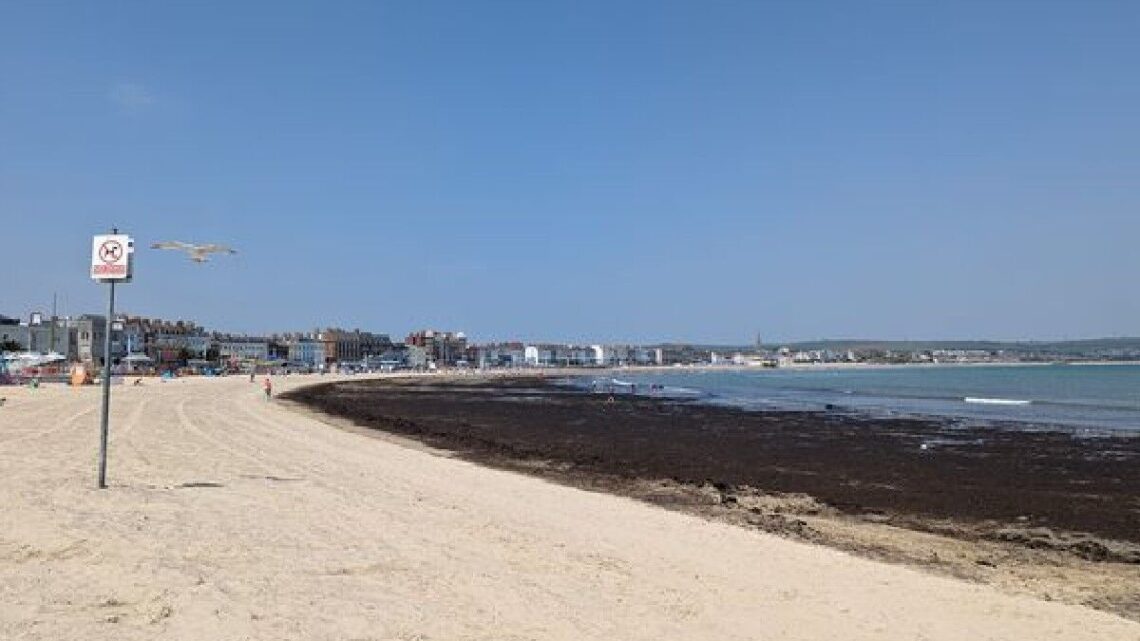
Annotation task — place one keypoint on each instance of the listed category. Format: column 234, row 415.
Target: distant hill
column 1072, row 347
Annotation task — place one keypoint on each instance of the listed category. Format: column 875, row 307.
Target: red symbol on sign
column 110, row 251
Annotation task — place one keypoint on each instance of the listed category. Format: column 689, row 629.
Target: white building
column 599, row 355
column 308, row 351
column 255, row 349
column 531, row 355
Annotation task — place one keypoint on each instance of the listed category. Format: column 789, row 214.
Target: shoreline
column 909, row 514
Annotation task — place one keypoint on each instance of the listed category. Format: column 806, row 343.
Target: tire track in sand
column 185, row 421
column 33, row 435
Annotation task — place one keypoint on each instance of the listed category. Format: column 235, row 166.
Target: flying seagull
column 198, row 253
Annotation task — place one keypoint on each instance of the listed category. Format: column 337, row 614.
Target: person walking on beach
column 252, row 375
column 268, row 388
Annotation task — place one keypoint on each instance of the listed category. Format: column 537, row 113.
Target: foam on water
column 996, row 401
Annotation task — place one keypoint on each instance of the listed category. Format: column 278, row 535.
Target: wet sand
column 1025, row 500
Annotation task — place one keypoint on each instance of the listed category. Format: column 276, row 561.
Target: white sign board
column 111, row 257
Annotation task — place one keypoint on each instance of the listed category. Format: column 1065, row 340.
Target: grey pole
column 103, row 421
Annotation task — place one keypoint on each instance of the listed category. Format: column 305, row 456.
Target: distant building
column 166, row 342
column 541, row 355
column 681, row 355
column 444, row 348
column 530, row 355
column 196, row 346
column 643, row 356
column 502, row 355
column 39, row 335
column 622, row 355
column 277, row 349
column 90, row 333
column 415, row 357
column 598, row 355
column 573, row 356
column 242, row 348
column 395, row 357
column 306, row 350
column 342, row 345
column 12, row 332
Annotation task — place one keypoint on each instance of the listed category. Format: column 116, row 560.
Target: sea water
column 1093, row 397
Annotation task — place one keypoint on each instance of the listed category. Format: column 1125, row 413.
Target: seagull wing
column 215, row 249
column 171, row 244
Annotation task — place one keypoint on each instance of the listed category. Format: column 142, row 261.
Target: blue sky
column 610, row 171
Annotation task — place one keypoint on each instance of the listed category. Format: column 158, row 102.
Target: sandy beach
column 230, row 517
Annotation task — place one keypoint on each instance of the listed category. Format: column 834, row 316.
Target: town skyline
column 271, row 329
column 1126, row 348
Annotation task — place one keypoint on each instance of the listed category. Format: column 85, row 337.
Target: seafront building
column 242, row 348
column 415, row 357
column 501, row 355
column 340, row 345
column 12, row 332
column 567, row 355
column 308, row 351
column 91, row 331
column 166, row 342
column 442, row 348
column 37, row 335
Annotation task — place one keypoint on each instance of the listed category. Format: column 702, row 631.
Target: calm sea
column 1095, row 397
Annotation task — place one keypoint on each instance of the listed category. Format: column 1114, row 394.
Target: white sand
column 318, row 533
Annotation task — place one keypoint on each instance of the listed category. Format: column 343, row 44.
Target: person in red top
column 268, row 388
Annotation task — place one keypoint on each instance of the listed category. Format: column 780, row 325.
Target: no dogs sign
column 111, row 257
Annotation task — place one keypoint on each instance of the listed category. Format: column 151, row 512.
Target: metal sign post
column 110, row 263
